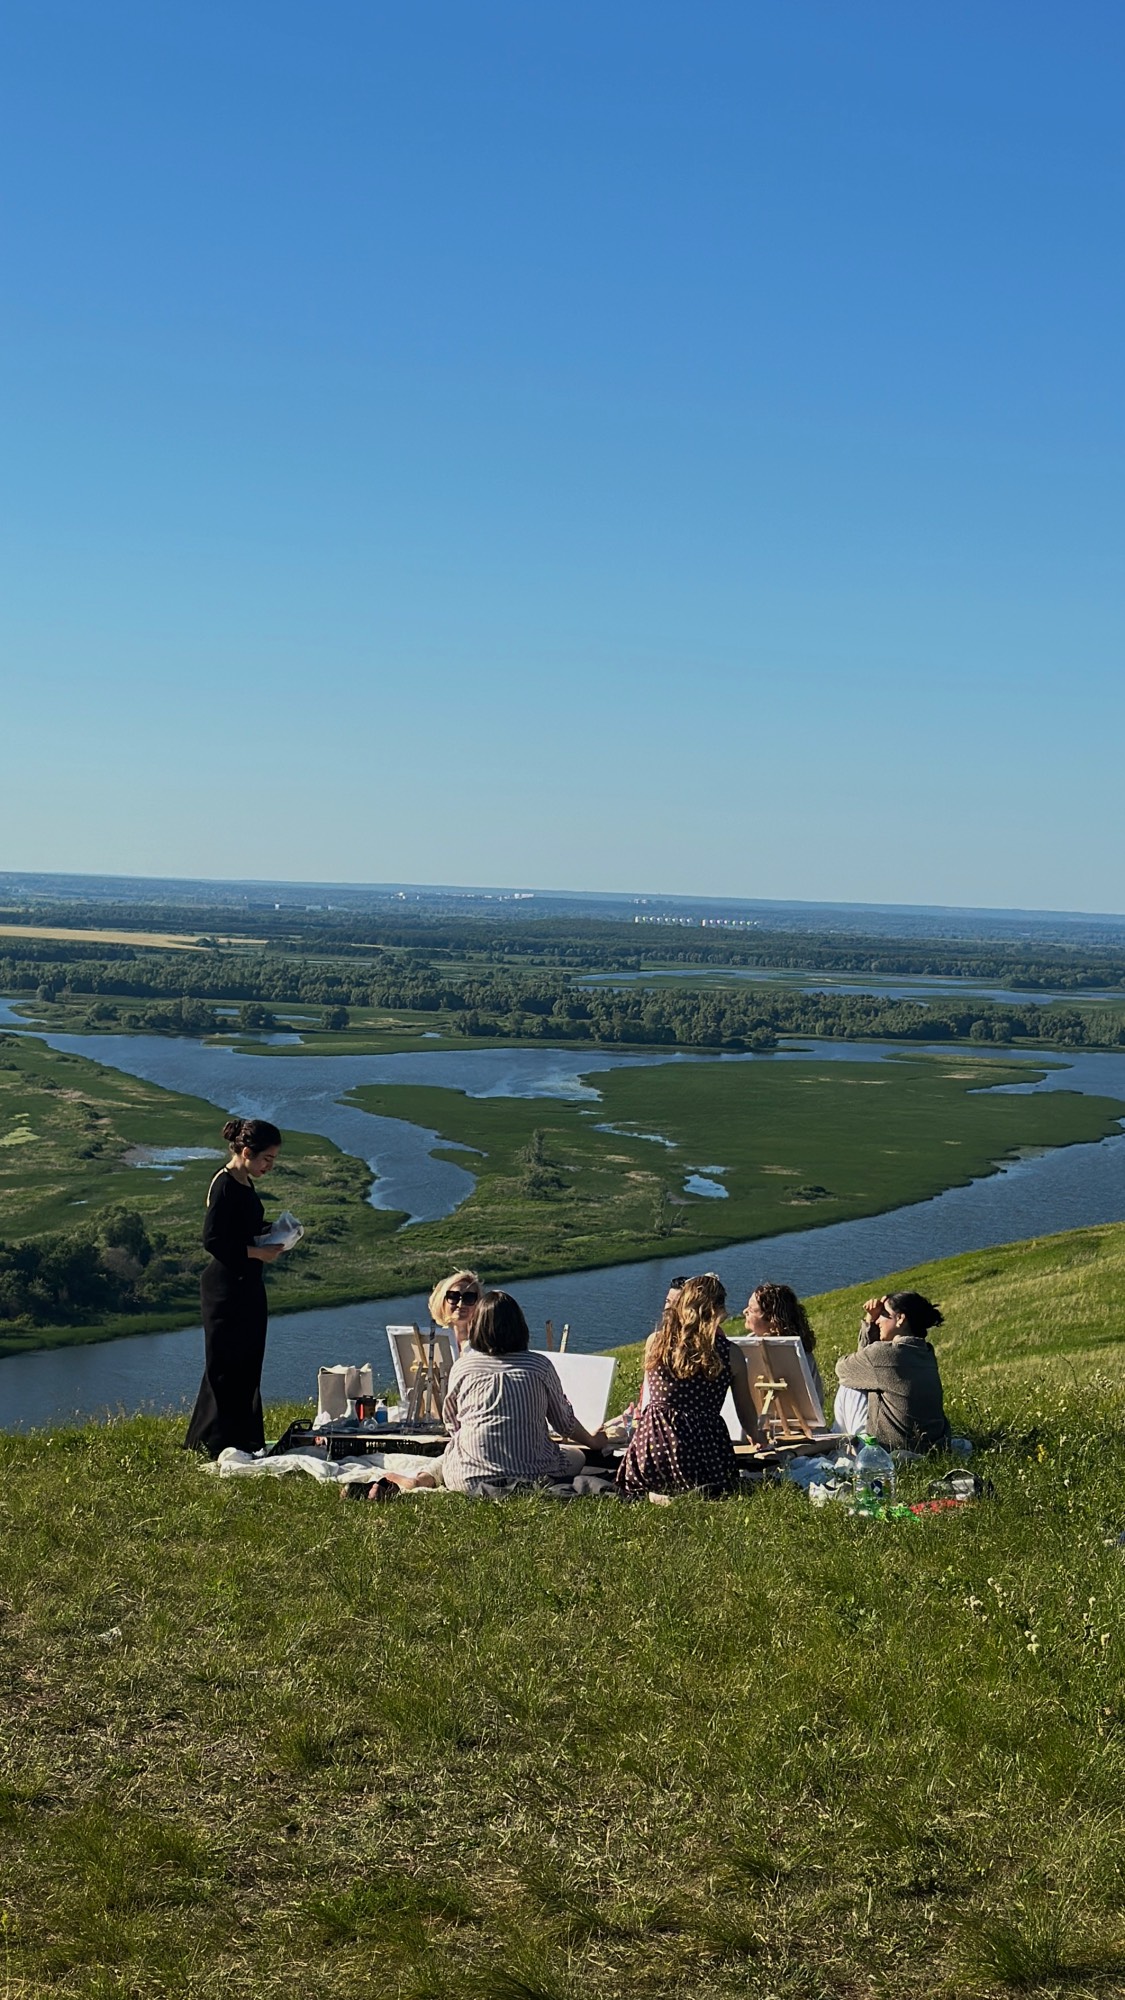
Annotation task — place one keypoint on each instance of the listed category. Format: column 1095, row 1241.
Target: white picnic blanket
column 233, row 1464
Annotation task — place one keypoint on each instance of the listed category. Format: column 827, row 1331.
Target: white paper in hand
column 282, row 1233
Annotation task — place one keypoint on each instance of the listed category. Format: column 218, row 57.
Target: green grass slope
column 259, row 1743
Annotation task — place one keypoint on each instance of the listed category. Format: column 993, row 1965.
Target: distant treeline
column 513, row 1002
column 603, row 945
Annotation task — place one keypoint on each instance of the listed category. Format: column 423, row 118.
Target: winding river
column 1061, row 1189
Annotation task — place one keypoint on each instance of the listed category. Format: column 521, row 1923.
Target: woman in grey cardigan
column 890, row 1388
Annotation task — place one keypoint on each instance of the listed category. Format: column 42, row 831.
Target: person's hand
column 873, row 1308
column 598, row 1440
column 270, row 1252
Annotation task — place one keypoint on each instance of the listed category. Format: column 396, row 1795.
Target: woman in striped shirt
column 502, row 1397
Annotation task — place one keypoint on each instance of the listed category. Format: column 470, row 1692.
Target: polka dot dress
column 681, row 1444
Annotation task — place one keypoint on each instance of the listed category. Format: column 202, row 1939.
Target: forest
column 175, row 991
column 599, row 944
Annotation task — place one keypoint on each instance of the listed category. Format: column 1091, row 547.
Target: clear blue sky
column 582, row 443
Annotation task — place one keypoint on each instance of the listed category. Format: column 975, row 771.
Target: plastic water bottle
column 874, row 1478
column 381, row 1412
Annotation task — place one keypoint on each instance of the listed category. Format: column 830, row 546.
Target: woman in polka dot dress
column 681, row 1443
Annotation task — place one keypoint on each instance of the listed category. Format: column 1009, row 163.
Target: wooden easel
column 427, row 1391
column 551, row 1336
column 788, row 1423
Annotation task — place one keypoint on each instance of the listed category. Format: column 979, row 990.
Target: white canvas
column 586, row 1380
column 400, row 1340
column 756, row 1348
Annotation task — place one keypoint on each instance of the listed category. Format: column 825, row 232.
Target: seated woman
column 501, row 1398
column 453, row 1302
column 776, row 1309
column 681, row 1443
column 890, row 1387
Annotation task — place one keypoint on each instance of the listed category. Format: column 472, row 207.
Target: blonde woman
column 681, row 1443
column 453, row 1302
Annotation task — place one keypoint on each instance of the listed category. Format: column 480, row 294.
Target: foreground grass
column 256, row 1742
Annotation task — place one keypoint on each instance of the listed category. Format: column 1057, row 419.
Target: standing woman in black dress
column 228, row 1408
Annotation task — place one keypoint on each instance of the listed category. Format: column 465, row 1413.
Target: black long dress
column 228, row 1408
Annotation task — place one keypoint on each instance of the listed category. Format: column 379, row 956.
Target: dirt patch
column 161, row 940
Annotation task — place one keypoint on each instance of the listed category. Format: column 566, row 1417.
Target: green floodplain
column 801, row 1143
column 257, row 1743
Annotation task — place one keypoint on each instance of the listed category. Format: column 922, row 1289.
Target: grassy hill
column 256, row 1742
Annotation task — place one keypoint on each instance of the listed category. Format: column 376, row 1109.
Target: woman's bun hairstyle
column 257, row 1133
column 920, row 1314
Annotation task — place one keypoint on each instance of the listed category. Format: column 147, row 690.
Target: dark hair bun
column 257, row 1133
column 921, row 1314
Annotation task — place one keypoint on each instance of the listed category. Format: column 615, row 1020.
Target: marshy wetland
column 573, row 1104
column 529, row 1160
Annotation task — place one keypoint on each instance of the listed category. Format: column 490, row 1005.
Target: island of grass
column 559, row 1185
column 566, row 1185
column 255, row 1742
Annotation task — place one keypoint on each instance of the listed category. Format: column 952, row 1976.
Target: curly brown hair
column 784, row 1314
column 684, row 1342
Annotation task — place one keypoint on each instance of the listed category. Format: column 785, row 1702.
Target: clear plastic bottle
column 874, row 1477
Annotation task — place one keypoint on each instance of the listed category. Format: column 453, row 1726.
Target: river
column 914, row 986
column 1061, row 1189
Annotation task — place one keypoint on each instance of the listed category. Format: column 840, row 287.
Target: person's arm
column 590, row 1440
column 225, row 1229
column 561, row 1417
column 743, row 1401
column 869, row 1325
column 863, row 1370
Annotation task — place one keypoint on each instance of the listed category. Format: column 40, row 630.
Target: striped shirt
column 497, row 1409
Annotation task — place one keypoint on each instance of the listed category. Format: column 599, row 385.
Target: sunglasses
column 461, row 1298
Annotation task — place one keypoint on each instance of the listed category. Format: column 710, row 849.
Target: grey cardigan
column 905, row 1410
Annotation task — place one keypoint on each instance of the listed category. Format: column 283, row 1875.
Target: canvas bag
column 339, row 1386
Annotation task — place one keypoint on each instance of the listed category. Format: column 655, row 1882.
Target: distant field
column 161, row 940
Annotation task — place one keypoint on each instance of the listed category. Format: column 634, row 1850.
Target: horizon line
column 515, row 891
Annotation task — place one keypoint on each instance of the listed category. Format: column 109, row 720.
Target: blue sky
column 625, row 446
